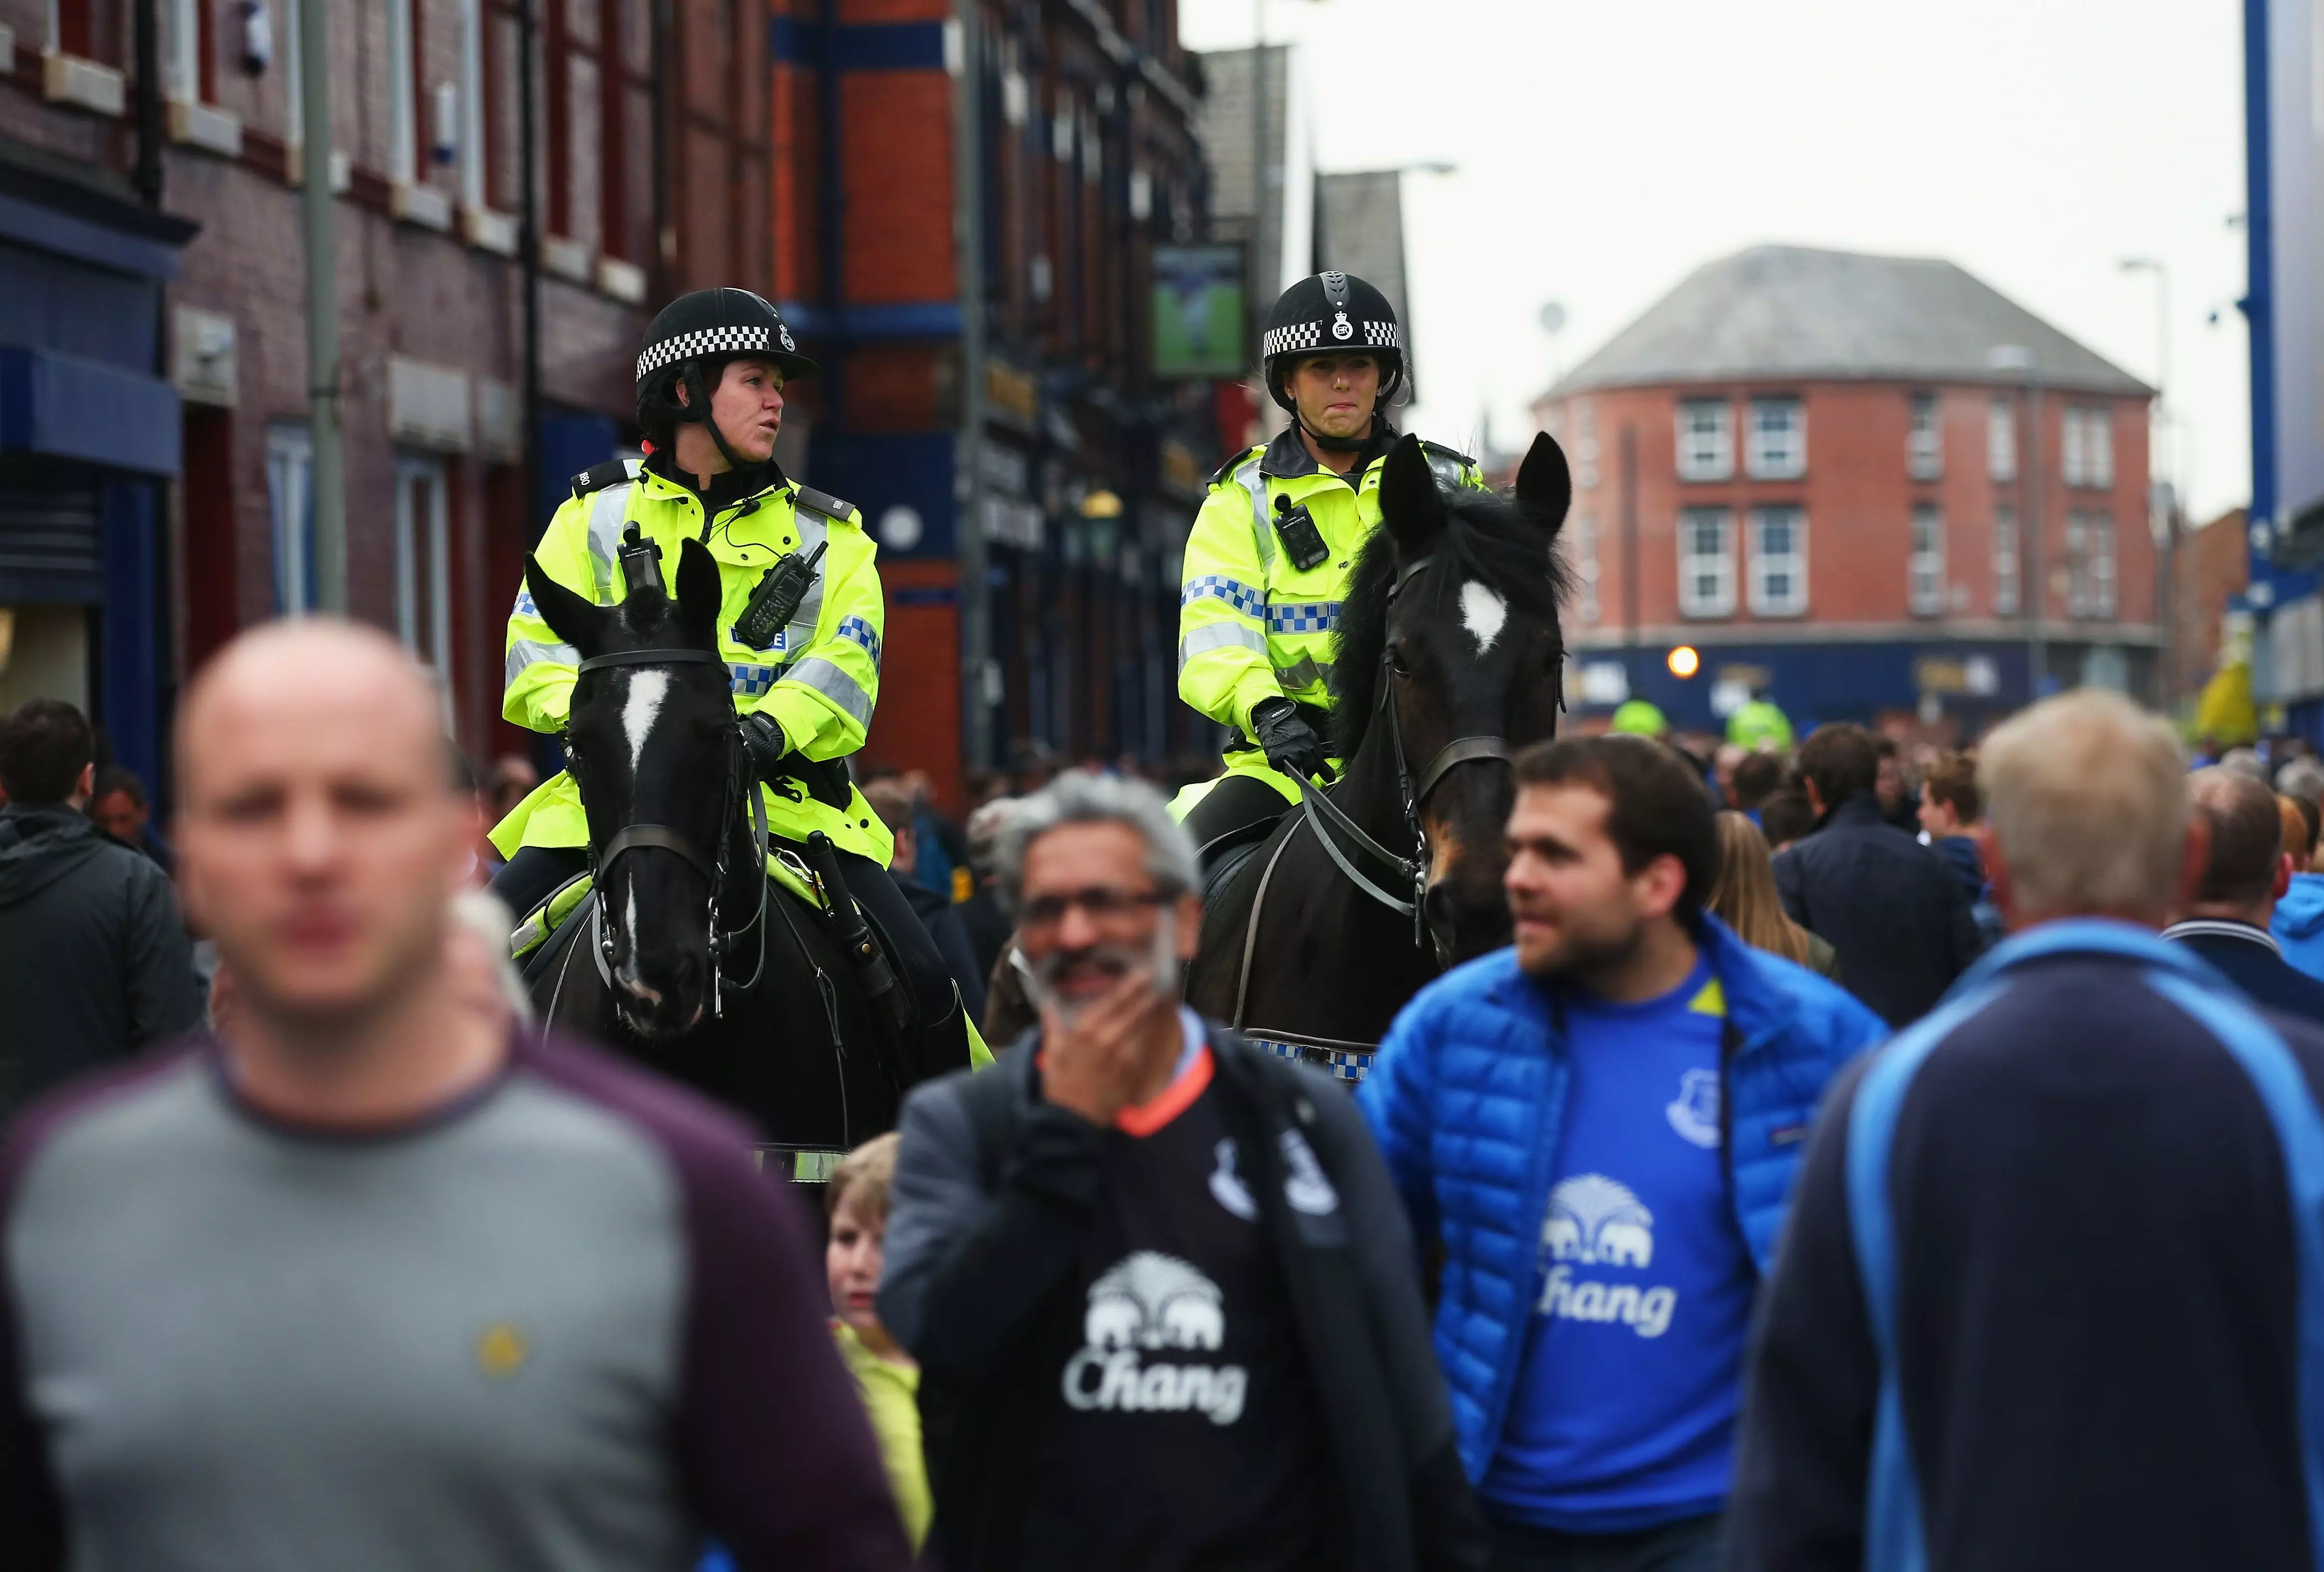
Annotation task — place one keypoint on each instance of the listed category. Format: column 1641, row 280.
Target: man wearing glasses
column 1160, row 1291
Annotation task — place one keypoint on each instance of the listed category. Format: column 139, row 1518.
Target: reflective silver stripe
column 835, row 685
column 813, row 529
column 1219, row 636
column 606, row 516
column 527, row 653
column 1306, row 671
column 1261, row 531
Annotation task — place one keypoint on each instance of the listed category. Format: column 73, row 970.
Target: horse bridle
column 1413, row 870
column 664, row 837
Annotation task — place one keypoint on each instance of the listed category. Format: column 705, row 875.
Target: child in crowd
column 858, row 1202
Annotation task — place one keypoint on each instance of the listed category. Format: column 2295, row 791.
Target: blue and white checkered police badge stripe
column 1218, row 587
column 1339, row 1063
column 750, row 681
column 1292, row 340
column 1313, row 617
column 704, row 341
column 524, row 606
column 856, row 630
column 1381, row 336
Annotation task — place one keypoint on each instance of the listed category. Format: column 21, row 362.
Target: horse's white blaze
column 1483, row 613
column 639, row 708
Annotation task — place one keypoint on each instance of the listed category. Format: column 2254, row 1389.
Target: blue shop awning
column 61, row 406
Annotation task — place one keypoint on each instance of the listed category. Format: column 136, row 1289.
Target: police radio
column 777, row 599
column 641, row 561
column 1296, row 528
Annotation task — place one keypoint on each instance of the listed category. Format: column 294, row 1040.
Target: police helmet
column 696, row 334
column 1332, row 311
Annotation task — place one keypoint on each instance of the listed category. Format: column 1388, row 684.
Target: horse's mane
column 1495, row 540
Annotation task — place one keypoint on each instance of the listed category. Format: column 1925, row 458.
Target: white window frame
column 2008, row 563
column 2097, row 446
column 291, row 516
column 423, row 519
column 1697, row 598
column 1586, row 570
column 181, row 38
column 402, row 95
column 2091, row 565
column 1792, row 563
column 2001, row 440
column 1776, row 452
column 1706, row 452
column 472, row 164
column 1924, row 564
column 1924, row 441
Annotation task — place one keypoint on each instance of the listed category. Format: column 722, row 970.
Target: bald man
column 381, row 1279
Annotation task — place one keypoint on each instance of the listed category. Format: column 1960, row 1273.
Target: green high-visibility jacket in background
column 818, row 679
column 1252, row 625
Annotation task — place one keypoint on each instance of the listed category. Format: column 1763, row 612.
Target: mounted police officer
column 803, row 645
column 1268, row 560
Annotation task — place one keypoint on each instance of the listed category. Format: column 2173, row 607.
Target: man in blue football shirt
column 1600, row 1123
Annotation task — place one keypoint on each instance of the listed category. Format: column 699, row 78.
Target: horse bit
column 632, row 836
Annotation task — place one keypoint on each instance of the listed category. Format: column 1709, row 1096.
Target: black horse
column 691, row 957
column 1447, row 659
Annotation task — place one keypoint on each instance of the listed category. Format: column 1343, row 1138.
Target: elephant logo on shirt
column 1153, row 1300
column 1150, row 1318
column 1594, row 1220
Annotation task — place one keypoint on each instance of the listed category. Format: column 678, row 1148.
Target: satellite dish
column 1553, row 317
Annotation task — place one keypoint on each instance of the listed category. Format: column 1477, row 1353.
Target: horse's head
column 1469, row 647
column 653, row 746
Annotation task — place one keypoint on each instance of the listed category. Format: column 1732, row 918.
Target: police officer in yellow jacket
column 709, row 384
column 1271, row 552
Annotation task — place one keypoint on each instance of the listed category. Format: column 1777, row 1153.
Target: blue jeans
column 1689, row 1545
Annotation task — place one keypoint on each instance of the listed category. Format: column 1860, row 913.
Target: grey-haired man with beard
column 1159, row 1287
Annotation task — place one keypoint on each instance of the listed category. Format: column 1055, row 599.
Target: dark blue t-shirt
column 1627, row 1392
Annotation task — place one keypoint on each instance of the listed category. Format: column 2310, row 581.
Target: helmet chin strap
column 1335, row 444
column 701, row 402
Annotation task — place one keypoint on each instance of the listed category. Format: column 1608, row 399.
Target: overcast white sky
column 1607, row 149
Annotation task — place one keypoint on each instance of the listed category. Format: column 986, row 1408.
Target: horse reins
column 664, row 837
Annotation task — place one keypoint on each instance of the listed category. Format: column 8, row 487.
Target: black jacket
column 1891, row 907
column 94, row 959
column 996, row 1192
column 2097, row 1293
column 2248, row 957
column 942, row 920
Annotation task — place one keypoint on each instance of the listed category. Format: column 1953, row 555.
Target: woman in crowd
column 1744, row 897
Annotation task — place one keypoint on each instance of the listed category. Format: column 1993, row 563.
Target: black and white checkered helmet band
column 1303, row 337
column 707, row 341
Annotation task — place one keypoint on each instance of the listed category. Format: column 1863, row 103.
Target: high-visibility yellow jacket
column 1252, row 626
column 819, row 680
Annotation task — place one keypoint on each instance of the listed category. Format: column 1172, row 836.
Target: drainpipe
column 528, row 260
column 316, row 203
column 148, row 45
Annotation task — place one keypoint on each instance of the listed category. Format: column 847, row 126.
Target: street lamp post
column 2018, row 358
column 2167, row 538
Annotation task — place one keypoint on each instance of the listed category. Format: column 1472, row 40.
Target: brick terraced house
column 1852, row 481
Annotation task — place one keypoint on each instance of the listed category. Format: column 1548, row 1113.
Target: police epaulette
column 1453, row 453
column 1234, row 461
column 822, row 501
column 598, row 477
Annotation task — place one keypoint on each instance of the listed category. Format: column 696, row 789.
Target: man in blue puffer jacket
column 1600, row 1124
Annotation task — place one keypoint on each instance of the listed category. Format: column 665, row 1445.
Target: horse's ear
column 573, row 618
column 1545, row 484
column 697, row 588
column 1409, row 504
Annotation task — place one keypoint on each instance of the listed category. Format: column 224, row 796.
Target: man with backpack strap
column 1159, row 1287
column 2053, row 1292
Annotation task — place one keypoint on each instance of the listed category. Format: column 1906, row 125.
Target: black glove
column 776, row 762
column 1291, row 744
column 766, row 744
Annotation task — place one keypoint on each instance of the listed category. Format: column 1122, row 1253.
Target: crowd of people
column 1629, row 1254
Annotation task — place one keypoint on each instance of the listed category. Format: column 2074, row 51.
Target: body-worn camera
column 777, row 599
column 1296, row 528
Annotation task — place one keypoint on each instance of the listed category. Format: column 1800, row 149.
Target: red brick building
column 158, row 500
column 1850, row 480
column 1091, row 466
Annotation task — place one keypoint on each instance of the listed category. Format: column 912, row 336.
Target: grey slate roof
column 1790, row 312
